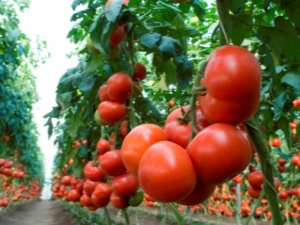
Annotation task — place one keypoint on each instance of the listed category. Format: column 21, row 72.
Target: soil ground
column 54, row 213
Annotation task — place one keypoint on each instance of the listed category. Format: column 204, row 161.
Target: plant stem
column 125, row 214
column 267, row 169
column 107, row 216
column 223, row 12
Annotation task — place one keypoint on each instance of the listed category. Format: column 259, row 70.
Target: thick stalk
column 223, row 12
column 267, row 169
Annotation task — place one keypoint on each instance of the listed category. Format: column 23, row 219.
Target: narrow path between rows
column 37, row 212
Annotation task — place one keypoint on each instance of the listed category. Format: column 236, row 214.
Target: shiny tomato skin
column 102, row 146
column 140, row 72
column 74, row 195
column 66, row 180
column 225, row 111
column 101, row 195
column 166, row 172
column 89, row 187
column 85, row 200
column 103, row 94
column 178, row 133
column 125, row 185
column 118, row 202
column 137, row 141
column 111, row 163
column 200, row 193
column 93, row 172
column 232, row 73
column 117, row 36
column 119, row 87
column 276, row 142
column 219, row 152
column 112, row 112
column 124, row 128
column 253, row 192
column 256, row 179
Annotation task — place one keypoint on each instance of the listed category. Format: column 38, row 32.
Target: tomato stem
column 267, row 169
column 223, row 12
column 127, row 221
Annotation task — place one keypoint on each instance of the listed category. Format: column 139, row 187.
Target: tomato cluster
column 14, row 187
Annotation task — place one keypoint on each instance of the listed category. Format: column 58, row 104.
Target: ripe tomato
column 233, row 80
column 295, row 160
column 102, row 94
column 89, row 187
column 93, row 172
column 215, row 150
column 112, row 164
column 140, row 72
column 8, row 164
column 256, row 179
column 66, row 180
column 74, row 195
column 119, row 87
column 101, row 195
column 178, row 133
column 171, row 103
column 276, row 142
column 166, row 172
column 137, row 142
column 200, row 193
column 118, row 202
column 2, row 162
column 117, row 36
column 124, row 128
column 253, row 192
column 85, row 200
column 281, row 161
column 125, row 185
column 111, row 112
column 102, row 146
column 283, row 195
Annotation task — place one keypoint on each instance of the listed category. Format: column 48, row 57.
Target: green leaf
column 168, row 47
column 50, row 127
column 184, row 71
column 283, row 124
column 199, row 9
column 292, row 10
column 190, row 32
column 240, row 28
column 292, row 78
column 86, row 86
column 237, row 6
column 282, row 38
column 93, row 64
column 113, row 10
column 73, row 121
column 177, row 214
column 83, row 151
column 170, row 71
column 149, row 40
column 279, row 104
column 76, row 3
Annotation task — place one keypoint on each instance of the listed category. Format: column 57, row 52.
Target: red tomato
column 281, row 161
column 119, row 87
column 101, row 195
column 276, row 142
column 215, row 150
column 256, row 179
column 118, row 202
column 140, row 72
column 125, row 185
column 137, row 142
column 89, row 187
column 74, row 195
column 171, row 103
column 66, row 180
column 166, row 172
column 253, row 192
column 283, row 195
column 118, row 35
column 124, row 128
column 233, row 80
column 200, row 193
column 85, row 200
column 2, row 162
column 178, row 133
column 8, row 164
column 295, row 160
column 93, row 172
column 103, row 95
column 111, row 112
column 102, row 146
column 112, row 164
